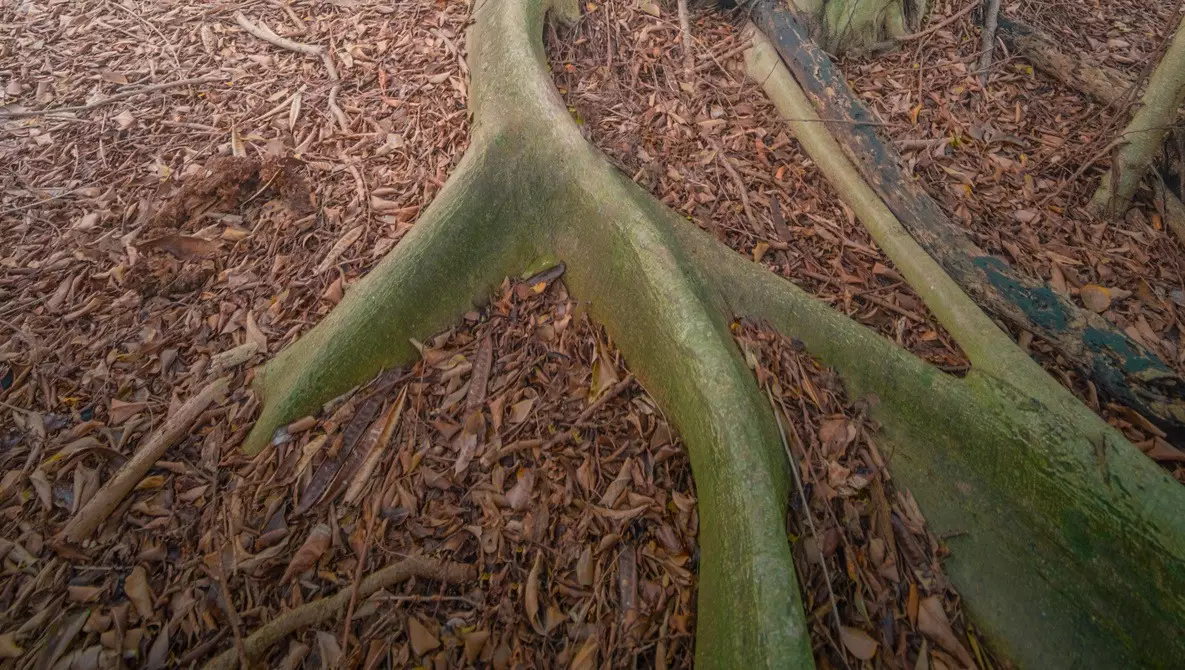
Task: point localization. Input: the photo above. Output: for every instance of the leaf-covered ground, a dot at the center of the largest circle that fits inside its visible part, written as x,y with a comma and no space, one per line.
151,243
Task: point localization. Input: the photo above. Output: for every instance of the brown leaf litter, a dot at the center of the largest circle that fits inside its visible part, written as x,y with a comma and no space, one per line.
184,232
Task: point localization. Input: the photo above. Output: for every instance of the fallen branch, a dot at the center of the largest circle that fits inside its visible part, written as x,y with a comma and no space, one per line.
987,42
267,35
98,508
257,643
1122,368
122,95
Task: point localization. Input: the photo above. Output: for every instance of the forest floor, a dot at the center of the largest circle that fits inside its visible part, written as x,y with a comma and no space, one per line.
153,241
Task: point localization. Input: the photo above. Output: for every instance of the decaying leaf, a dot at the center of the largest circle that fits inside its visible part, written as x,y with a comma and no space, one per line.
933,623
1096,298
184,247
422,639
859,643
308,554
137,589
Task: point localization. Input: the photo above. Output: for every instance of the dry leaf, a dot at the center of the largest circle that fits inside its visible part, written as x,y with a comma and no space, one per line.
520,410
137,589
933,622
308,554
474,643
122,411
586,658
329,650
373,448
584,567
8,646
422,639
339,248
1096,298
125,119
531,596
858,642
254,334
184,247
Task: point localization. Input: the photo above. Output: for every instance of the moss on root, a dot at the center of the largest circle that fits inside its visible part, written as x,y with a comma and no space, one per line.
1047,528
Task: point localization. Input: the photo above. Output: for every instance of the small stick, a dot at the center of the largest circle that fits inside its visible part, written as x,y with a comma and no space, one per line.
716,60
941,24
987,42
98,508
231,613
317,611
345,643
685,39
806,508
105,101
264,33
740,184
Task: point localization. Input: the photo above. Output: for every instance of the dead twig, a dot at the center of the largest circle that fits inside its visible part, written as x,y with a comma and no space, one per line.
267,35
236,622
806,510
24,113
260,641
685,38
740,184
987,43
98,508
941,24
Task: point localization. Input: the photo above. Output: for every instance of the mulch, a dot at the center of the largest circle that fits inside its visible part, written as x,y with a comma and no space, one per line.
156,240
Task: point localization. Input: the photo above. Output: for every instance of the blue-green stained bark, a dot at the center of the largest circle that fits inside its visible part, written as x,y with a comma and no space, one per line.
1121,368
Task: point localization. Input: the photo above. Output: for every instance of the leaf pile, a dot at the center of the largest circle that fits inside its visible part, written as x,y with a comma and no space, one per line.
870,571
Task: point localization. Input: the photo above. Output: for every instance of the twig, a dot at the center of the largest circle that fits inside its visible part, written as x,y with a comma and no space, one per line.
345,643
105,101
98,508
231,613
716,60
264,33
1083,168
740,184
806,510
317,611
930,30
987,43
685,38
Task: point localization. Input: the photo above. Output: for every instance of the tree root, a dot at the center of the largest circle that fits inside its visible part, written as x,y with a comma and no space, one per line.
1146,132
1120,367
256,645
1071,541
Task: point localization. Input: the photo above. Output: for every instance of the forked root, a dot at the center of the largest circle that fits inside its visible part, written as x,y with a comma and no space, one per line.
1071,541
